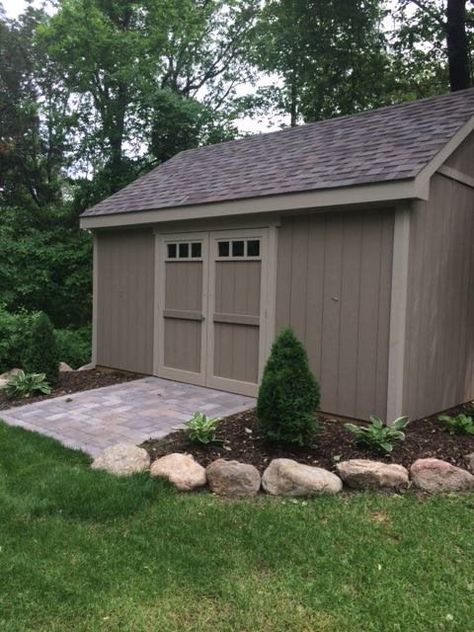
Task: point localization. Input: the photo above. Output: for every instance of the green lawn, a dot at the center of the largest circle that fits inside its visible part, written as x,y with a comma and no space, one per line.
80,550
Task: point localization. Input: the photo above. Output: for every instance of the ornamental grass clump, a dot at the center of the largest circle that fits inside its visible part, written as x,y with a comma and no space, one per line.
289,394
41,355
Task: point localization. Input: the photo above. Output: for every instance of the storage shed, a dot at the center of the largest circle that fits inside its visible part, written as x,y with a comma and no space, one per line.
357,231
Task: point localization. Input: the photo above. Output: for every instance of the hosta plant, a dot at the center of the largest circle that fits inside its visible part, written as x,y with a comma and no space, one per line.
378,436
25,384
462,424
202,429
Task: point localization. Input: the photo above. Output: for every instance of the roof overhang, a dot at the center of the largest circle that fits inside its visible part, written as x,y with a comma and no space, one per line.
381,192
325,198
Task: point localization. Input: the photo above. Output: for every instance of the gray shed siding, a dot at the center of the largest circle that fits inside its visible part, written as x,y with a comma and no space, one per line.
463,158
125,304
334,288
439,351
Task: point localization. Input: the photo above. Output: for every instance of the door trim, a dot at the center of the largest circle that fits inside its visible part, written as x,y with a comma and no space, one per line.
269,234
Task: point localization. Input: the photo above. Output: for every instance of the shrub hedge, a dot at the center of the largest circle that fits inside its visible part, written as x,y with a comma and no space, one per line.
41,354
14,333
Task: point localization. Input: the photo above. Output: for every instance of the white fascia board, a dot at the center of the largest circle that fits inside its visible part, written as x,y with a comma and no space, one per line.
423,178
327,198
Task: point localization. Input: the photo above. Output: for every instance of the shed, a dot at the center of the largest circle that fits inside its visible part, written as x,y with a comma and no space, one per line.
357,231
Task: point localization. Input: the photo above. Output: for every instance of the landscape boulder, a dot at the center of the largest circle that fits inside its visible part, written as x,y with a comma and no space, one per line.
64,367
4,377
231,478
87,367
122,459
181,470
367,474
435,476
285,477
469,458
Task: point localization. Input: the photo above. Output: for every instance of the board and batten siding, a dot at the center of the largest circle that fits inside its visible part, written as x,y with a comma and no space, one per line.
463,158
125,302
439,349
334,287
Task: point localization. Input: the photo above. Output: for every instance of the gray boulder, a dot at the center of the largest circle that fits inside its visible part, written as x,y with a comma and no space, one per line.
285,477
231,478
367,474
436,476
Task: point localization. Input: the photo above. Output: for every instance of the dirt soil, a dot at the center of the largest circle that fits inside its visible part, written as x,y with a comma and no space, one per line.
73,382
242,440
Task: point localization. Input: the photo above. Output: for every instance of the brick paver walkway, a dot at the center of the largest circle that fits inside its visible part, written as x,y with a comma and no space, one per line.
129,412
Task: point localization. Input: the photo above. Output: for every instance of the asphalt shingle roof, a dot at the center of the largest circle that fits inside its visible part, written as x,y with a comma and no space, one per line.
391,143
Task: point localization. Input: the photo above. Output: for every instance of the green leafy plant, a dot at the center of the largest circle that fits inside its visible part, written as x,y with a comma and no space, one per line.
25,384
14,330
41,355
74,345
202,429
377,435
289,394
461,424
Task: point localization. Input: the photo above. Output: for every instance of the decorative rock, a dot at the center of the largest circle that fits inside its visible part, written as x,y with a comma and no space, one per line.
181,470
64,367
122,459
231,478
4,377
434,476
469,458
366,474
285,477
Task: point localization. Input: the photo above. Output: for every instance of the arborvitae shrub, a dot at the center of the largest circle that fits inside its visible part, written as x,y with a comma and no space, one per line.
41,355
289,394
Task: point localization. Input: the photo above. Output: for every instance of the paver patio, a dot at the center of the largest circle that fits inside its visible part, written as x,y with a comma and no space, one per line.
130,412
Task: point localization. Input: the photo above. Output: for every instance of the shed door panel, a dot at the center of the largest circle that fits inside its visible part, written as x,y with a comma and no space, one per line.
183,303
183,315
235,285
236,320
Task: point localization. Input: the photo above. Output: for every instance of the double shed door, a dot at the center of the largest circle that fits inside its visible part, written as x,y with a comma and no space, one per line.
212,308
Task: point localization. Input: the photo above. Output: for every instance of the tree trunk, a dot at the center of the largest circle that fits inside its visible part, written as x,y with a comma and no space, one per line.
456,39
293,102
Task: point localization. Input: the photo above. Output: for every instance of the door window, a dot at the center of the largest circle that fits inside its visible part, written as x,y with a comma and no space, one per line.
184,250
239,248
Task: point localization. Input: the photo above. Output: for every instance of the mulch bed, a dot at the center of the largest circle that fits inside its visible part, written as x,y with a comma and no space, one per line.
243,442
73,382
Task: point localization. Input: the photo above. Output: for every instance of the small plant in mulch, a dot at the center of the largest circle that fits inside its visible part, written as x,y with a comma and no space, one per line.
289,394
41,355
461,424
202,429
378,436
25,384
